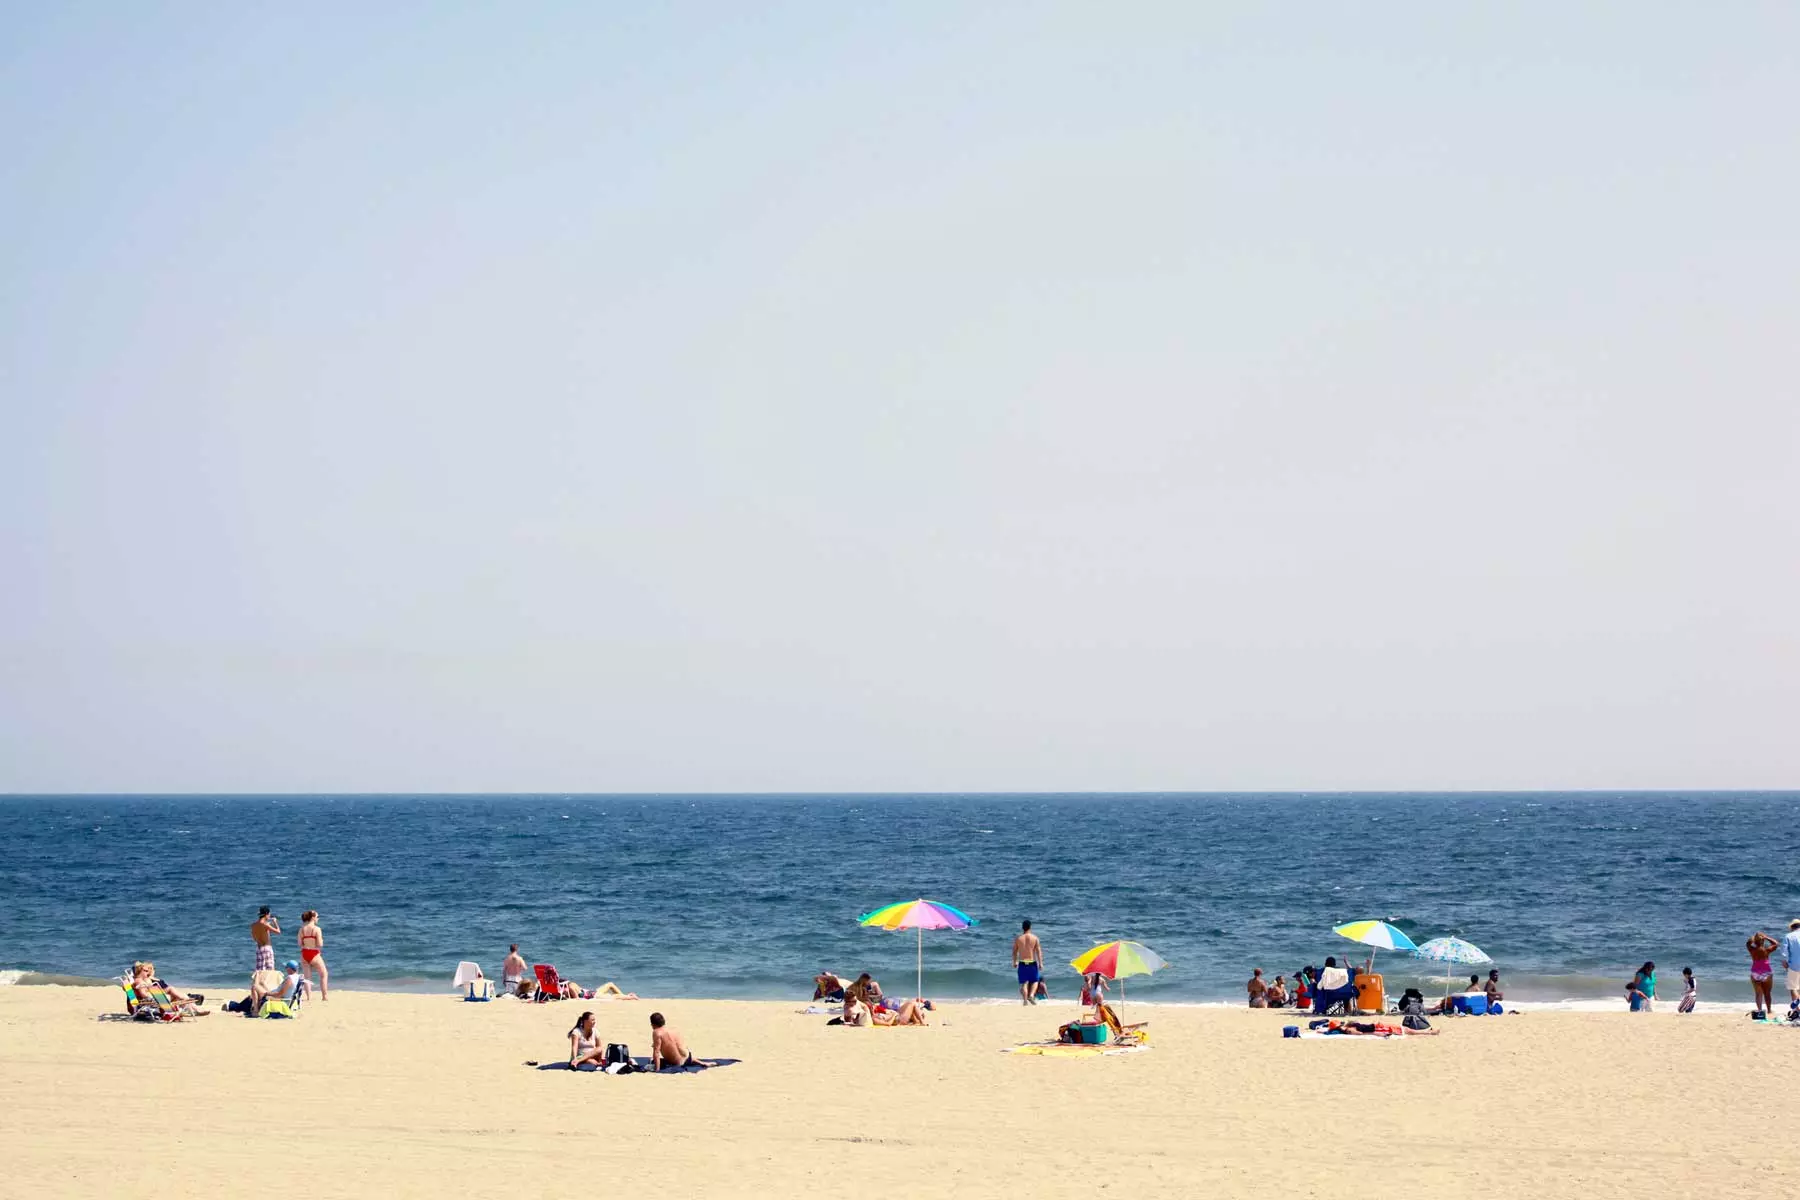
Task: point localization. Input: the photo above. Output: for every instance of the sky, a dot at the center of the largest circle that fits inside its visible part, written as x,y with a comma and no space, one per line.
898,397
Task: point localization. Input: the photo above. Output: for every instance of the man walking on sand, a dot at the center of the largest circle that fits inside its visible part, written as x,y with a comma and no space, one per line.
260,929
1028,958
1790,956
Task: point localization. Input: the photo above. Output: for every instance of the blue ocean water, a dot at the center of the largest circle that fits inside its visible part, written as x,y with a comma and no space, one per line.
748,896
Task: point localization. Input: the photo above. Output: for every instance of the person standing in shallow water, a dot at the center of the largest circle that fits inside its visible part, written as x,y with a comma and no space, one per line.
1028,960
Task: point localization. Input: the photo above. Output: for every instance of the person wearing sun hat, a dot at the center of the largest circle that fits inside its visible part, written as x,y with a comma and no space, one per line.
1790,956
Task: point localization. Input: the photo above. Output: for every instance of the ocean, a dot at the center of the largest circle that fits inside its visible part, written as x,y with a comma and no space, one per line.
749,896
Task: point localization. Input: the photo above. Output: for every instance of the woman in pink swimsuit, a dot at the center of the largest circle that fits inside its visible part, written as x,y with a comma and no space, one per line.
1762,976
312,951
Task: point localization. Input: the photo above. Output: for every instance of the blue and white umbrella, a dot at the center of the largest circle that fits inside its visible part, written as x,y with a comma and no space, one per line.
1449,950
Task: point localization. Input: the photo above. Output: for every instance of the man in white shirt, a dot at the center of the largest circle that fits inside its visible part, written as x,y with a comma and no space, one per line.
1790,956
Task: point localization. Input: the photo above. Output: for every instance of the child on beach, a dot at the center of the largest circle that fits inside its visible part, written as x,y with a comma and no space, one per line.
1690,991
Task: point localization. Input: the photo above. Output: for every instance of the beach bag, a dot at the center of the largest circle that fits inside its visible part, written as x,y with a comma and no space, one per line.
618,1052
1414,1020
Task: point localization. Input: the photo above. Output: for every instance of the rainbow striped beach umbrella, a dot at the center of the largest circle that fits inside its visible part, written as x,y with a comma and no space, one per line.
1116,960
920,915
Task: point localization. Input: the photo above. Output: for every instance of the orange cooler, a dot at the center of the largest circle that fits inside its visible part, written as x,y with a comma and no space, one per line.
1370,995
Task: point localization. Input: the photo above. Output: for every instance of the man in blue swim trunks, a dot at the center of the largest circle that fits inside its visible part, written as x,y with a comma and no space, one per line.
1028,958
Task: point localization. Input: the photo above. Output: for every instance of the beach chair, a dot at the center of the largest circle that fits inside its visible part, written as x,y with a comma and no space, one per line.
469,976
1341,998
549,985
152,1005
273,1008
1124,1035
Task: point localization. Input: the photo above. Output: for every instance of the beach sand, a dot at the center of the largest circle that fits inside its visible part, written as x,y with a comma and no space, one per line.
410,1095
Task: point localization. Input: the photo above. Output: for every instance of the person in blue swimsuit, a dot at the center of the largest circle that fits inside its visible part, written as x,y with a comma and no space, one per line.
1028,959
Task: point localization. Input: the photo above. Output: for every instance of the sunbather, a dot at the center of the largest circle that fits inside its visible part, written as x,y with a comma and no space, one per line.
856,1012
912,1012
153,991
1277,995
584,1044
609,988
827,986
667,1051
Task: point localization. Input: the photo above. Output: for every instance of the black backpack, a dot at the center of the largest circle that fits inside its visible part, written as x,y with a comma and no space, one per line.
619,1053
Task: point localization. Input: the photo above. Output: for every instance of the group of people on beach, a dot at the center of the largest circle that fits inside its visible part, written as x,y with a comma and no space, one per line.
864,1003
311,943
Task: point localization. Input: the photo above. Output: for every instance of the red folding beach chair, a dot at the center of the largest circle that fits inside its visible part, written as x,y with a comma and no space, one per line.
549,986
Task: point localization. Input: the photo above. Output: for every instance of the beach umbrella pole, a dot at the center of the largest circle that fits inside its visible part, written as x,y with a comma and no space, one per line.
919,994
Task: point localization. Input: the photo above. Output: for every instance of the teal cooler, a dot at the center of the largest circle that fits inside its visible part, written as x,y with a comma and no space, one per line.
1092,1035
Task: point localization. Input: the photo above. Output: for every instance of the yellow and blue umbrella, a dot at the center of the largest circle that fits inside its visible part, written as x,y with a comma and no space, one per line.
1378,934
920,915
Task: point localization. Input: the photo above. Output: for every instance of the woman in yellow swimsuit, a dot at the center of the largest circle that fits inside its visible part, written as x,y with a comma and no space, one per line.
312,951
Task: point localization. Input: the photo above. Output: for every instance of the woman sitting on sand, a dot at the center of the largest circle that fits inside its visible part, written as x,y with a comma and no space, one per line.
864,989
584,1043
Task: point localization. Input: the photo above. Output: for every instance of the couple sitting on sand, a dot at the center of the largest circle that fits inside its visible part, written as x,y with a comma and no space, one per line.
667,1051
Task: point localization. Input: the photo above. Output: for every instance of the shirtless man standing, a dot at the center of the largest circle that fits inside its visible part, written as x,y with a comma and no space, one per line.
1028,959
667,1050
260,929
513,969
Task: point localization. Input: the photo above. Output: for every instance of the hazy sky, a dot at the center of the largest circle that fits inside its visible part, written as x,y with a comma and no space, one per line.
910,396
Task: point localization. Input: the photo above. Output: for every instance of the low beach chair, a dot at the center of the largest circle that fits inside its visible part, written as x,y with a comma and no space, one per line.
549,985
273,1007
153,1005
1122,1034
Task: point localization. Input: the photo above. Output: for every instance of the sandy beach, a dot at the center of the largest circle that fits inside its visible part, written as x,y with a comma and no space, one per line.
410,1094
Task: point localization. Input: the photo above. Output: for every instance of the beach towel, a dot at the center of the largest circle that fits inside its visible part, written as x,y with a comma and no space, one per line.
639,1066
1075,1049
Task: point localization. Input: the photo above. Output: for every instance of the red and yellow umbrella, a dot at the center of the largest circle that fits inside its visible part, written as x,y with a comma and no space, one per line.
1116,960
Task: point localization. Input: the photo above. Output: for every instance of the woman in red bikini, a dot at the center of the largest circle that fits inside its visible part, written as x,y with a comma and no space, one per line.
312,951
